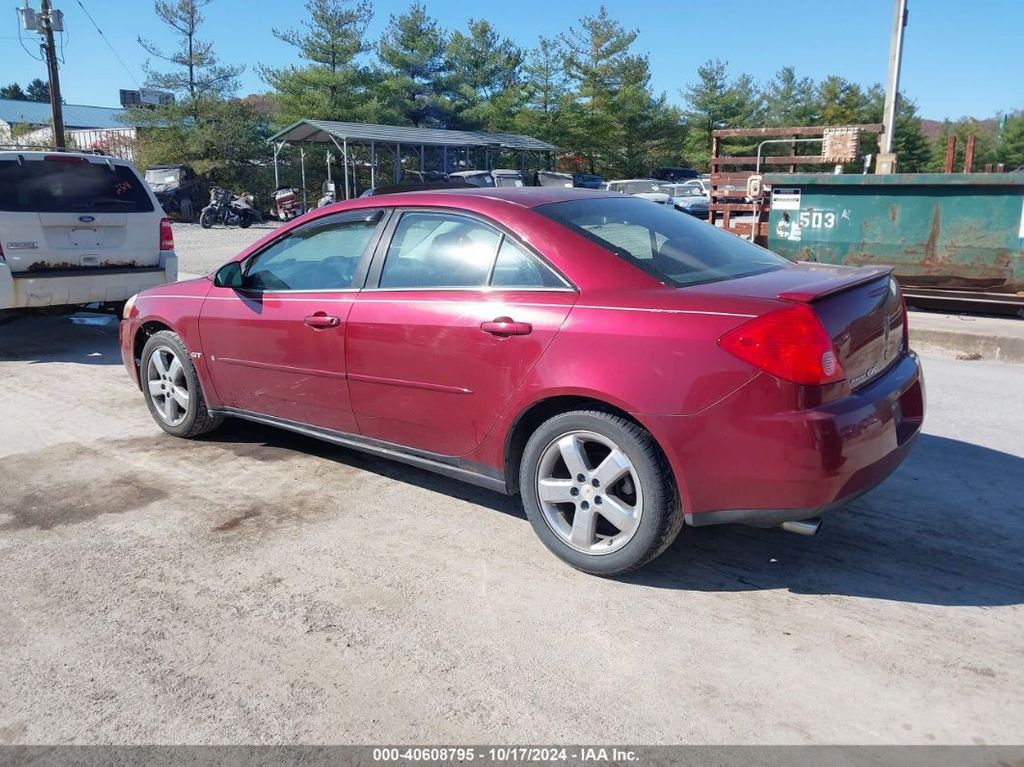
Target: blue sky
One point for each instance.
(959, 58)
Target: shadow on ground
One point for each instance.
(31, 337)
(946, 529)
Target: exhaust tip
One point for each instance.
(802, 526)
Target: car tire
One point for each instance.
(171, 387)
(599, 492)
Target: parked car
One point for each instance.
(554, 178)
(475, 177)
(646, 188)
(702, 184)
(78, 228)
(687, 198)
(587, 181)
(177, 188)
(507, 177)
(627, 370)
(579, 180)
(674, 174)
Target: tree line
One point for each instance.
(36, 90)
(587, 90)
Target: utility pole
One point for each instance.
(886, 159)
(49, 49)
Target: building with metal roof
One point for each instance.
(364, 145)
(14, 112)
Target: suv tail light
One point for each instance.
(166, 234)
(788, 343)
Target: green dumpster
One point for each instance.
(938, 230)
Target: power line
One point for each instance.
(126, 69)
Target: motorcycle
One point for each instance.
(286, 204)
(330, 194)
(228, 209)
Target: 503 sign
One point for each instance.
(817, 219)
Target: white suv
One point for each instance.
(78, 228)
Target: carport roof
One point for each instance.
(321, 132)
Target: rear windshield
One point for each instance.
(673, 247)
(52, 186)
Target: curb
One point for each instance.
(967, 345)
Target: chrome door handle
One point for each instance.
(321, 320)
(506, 326)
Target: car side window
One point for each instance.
(516, 267)
(320, 256)
(439, 250)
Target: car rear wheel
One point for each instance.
(599, 493)
(171, 387)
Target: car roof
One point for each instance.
(635, 181)
(524, 196)
(39, 154)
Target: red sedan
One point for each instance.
(626, 369)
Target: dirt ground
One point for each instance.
(255, 586)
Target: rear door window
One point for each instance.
(69, 186)
(674, 248)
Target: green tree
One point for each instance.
(484, 73)
(840, 102)
(547, 93)
(37, 90)
(1011, 142)
(197, 75)
(332, 85)
(221, 145)
(911, 146)
(13, 92)
(789, 100)
(985, 146)
(412, 77)
(597, 64)
(718, 102)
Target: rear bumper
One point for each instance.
(81, 286)
(737, 465)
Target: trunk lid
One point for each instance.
(860, 309)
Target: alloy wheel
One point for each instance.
(168, 386)
(589, 492)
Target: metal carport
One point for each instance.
(450, 149)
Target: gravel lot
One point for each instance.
(202, 250)
(259, 587)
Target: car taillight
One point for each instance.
(788, 343)
(906, 324)
(166, 235)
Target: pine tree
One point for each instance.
(196, 75)
(484, 78)
(412, 79)
(716, 102)
(332, 85)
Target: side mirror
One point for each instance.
(229, 276)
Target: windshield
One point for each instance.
(676, 249)
(163, 177)
(635, 187)
(63, 186)
(682, 191)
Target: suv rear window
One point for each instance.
(672, 247)
(62, 186)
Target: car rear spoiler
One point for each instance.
(833, 285)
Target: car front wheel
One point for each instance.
(171, 387)
(599, 492)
